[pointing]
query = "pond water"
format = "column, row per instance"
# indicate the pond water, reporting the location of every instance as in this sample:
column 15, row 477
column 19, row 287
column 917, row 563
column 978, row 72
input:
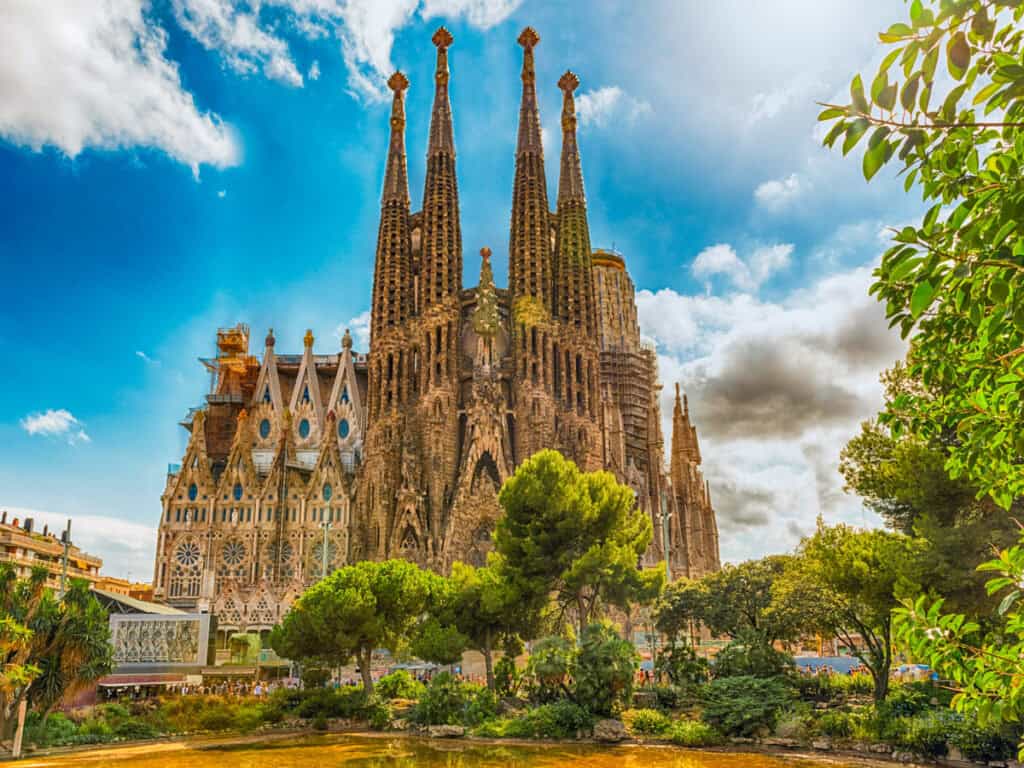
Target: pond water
column 377, row 752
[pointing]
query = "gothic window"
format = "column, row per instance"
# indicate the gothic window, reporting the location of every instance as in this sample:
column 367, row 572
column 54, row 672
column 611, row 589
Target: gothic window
column 193, row 491
column 237, row 492
column 344, row 394
column 305, row 394
column 343, row 429
column 185, row 572
column 328, row 491
column 316, row 557
column 266, row 394
column 304, row 429
column 265, row 429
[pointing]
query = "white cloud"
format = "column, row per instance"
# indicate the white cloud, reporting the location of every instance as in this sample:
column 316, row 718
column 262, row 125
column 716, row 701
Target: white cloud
column 777, row 194
column 54, row 423
column 480, row 13
column 746, row 275
column 359, row 327
column 126, row 548
column 314, row 70
column 610, row 103
column 776, row 389
column 89, row 74
column 146, row 358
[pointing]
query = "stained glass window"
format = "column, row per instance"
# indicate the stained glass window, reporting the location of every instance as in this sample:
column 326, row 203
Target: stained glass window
column 193, row 491
column 304, row 429
column 265, row 429
column 328, row 492
column 343, row 429
column 238, row 491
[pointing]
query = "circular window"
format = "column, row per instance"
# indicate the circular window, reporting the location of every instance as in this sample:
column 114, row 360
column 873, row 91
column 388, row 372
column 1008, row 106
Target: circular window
column 193, row 491
column 265, row 428
column 304, row 429
column 188, row 553
column 234, row 552
column 237, row 492
column 343, row 429
column 328, row 492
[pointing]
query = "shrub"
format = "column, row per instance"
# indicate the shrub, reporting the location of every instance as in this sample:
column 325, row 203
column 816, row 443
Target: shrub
column 56, row 731
column 561, row 720
column 329, row 702
column 378, row 713
column 135, row 728
column 693, row 733
column 991, row 743
column 506, row 676
column 216, row 718
column 836, row 725
column 646, row 721
column 794, row 723
column 829, row 687
column 248, row 717
column 750, row 656
column 399, row 685
column 744, row 706
column 680, row 663
column 315, row 677
column 926, row 734
column 94, row 731
column 320, row 722
column 548, row 668
column 604, row 670
column 447, row 701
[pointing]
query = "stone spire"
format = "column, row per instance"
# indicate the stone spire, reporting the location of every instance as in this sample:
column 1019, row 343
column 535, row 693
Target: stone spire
column 572, row 276
column 391, row 277
column 441, row 254
column 529, row 241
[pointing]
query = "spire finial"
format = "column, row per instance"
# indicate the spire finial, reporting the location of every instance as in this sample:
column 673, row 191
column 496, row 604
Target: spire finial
column 528, row 38
column 307, row 340
column 346, row 340
column 270, row 338
column 398, row 82
column 485, row 253
column 442, row 38
column 396, row 181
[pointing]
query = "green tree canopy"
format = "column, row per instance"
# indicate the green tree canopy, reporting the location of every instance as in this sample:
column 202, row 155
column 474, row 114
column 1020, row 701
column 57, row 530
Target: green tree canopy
column 354, row 610
column 844, row 582
column 955, row 282
column 576, row 535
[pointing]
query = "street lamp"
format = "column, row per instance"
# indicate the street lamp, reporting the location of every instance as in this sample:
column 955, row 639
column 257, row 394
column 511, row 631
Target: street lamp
column 326, row 525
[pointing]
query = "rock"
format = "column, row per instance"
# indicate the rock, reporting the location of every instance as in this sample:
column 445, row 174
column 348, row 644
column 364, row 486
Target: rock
column 399, row 724
column 903, row 757
column 446, row 731
column 776, row 741
column 742, row 740
column 823, row 744
column 880, row 749
column 609, row 730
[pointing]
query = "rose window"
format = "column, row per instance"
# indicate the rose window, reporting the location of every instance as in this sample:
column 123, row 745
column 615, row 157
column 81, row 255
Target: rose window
column 233, row 552
column 187, row 554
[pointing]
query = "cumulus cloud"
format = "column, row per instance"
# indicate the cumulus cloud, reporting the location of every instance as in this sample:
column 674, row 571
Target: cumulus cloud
column 776, row 389
column 777, row 194
column 746, row 275
column 607, row 105
column 56, row 423
column 87, row 74
column 359, row 327
column 250, row 36
column 126, row 547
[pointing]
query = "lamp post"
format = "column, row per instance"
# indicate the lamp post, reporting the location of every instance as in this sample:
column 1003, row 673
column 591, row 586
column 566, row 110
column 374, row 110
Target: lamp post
column 326, row 525
column 664, row 517
column 66, row 541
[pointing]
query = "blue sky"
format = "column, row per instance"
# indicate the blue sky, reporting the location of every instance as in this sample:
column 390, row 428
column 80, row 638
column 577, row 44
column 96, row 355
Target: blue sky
column 175, row 166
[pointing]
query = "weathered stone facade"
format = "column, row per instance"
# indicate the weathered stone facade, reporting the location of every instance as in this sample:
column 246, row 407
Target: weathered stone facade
column 298, row 464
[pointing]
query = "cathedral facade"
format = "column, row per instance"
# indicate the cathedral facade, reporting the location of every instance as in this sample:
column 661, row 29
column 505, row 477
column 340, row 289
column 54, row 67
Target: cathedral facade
column 300, row 463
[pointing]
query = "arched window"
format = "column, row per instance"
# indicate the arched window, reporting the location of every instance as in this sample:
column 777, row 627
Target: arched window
column 343, row 429
column 237, row 492
column 328, row 491
column 304, row 429
column 193, row 491
column 344, row 394
column 265, row 429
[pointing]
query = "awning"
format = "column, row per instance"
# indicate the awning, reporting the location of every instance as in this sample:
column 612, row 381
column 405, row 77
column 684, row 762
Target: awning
column 120, row 681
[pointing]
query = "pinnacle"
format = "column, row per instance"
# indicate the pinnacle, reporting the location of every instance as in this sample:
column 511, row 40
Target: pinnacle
column 398, row 82
column 485, row 253
column 569, row 82
column 528, row 38
column 442, row 38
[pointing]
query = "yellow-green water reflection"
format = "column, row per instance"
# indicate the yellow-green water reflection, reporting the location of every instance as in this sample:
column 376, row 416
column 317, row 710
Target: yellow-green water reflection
column 369, row 752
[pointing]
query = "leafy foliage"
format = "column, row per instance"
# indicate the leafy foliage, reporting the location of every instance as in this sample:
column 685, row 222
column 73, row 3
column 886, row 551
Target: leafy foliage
column 649, row 722
column 745, row 706
column 750, row 656
column 603, row 670
column 987, row 668
column 549, row 667
column 558, row 720
column 680, row 663
column 399, row 685
column 692, row 733
column 577, row 535
column 954, row 282
column 449, row 701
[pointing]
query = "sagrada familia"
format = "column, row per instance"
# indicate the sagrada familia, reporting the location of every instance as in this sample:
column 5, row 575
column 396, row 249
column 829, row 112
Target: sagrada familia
column 300, row 463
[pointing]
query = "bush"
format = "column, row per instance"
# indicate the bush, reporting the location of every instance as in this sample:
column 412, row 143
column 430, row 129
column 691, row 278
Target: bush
column 745, row 706
column 992, row 743
column 329, row 702
column 320, row 722
column 548, row 668
column 378, row 713
column 604, row 670
column 836, row 725
column 448, row 701
column 57, row 731
column 399, row 685
column 828, row 687
column 680, row 663
column 693, row 733
column 752, row 657
column 646, row 721
column 926, row 734
column 506, row 676
column 561, row 720
column 136, row 729
column 216, row 718
column 315, row 677
column 794, row 723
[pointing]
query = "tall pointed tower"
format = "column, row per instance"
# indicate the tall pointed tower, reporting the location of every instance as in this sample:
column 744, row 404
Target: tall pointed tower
column 436, row 335
column 577, row 377
column 531, row 240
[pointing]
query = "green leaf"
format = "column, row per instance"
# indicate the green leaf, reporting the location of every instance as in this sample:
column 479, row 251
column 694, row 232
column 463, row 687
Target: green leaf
column 887, row 98
column 909, row 93
column 921, row 298
column 896, row 32
column 860, row 104
column 931, row 60
column 958, row 55
column 879, row 84
column 830, row 114
column 854, row 132
column 874, row 159
column 998, row 291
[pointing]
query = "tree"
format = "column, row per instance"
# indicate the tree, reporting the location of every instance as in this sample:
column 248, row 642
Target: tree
column 955, row 283
column 48, row 647
column 603, row 670
column 986, row 667
column 355, row 610
column 904, row 479
column 845, row 582
column 575, row 535
column 486, row 608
